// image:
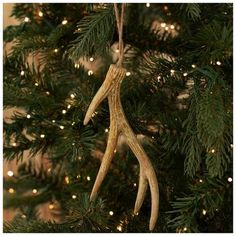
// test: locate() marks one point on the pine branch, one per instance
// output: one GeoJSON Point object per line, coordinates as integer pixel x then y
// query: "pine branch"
{"type": "Point", "coordinates": [95, 33]}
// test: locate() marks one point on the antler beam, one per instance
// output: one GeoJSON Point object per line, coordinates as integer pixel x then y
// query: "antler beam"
{"type": "Point", "coordinates": [119, 124]}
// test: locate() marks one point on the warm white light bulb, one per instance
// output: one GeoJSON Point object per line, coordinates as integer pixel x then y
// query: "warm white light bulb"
{"type": "Point", "coordinates": [69, 106]}
{"type": "Point", "coordinates": [200, 180]}
{"type": "Point", "coordinates": [42, 135]}
{"type": "Point", "coordinates": [40, 14]}
{"type": "Point", "coordinates": [55, 50]}
{"type": "Point", "coordinates": [117, 50]}
{"type": "Point", "coordinates": [111, 213]}
{"type": "Point", "coordinates": [22, 73]}
{"type": "Point", "coordinates": [34, 190]}
{"type": "Point", "coordinates": [90, 72]}
{"type": "Point", "coordinates": [230, 179]}
{"type": "Point", "coordinates": [53, 121]}
{"type": "Point", "coordinates": [27, 19]}
{"type": "Point", "coordinates": [193, 66]}
{"type": "Point", "coordinates": [10, 173]}
{"type": "Point", "coordinates": [172, 71]}
{"type": "Point", "coordinates": [185, 74]}
{"type": "Point", "coordinates": [36, 84]}
{"type": "Point", "coordinates": [148, 4]}
{"type": "Point", "coordinates": [62, 127]}
{"type": "Point", "coordinates": [91, 59]}
{"type": "Point", "coordinates": [88, 178]}
{"type": "Point", "coordinates": [74, 196]}
{"type": "Point", "coordinates": [11, 190]}
{"type": "Point", "coordinates": [172, 26]}
{"type": "Point", "coordinates": [72, 96]}
{"type": "Point", "coordinates": [218, 63]}
{"type": "Point", "coordinates": [204, 212]}
{"type": "Point", "coordinates": [106, 130]}
{"type": "Point", "coordinates": [119, 228]}
{"type": "Point", "coordinates": [213, 151]}
{"type": "Point", "coordinates": [63, 111]}
{"type": "Point", "coordinates": [51, 206]}
{"type": "Point", "coordinates": [127, 73]}
{"type": "Point", "coordinates": [28, 116]}
{"type": "Point", "coordinates": [135, 184]}
{"type": "Point", "coordinates": [14, 144]}
{"type": "Point", "coordinates": [48, 93]}
{"type": "Point", "coordinates": [64, 22]}
{"type": "Point", "coordinates": [166, 28]}
{"type": "Point", "coordinates": [163, 25]}
{"type": "Point", "coordinates": [185, 229]}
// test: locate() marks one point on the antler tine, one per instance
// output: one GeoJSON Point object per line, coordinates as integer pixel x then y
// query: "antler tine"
{"type": "Point", "coordinates": [106, 160]}
{"type": "Point", "coordinates": [103, 91]}
{"type": "Point", "coordinates": [142, 188]}
{"type": "Point", "coordinates": [148, 172]}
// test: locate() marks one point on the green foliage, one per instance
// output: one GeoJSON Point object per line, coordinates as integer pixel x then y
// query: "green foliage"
{"type": "Point", "coordinates": [193, 10]}
{"type": "Point", "coordinates": [181, 112]}
{"type": "Point", "coordinates": [95, 33]}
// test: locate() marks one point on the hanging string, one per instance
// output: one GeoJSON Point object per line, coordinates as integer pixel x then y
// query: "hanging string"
{"type": "Point", "coordinates": [120, 23]}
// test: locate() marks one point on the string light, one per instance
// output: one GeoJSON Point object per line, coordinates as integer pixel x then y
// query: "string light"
{"type": "Point", "coordinates": [119, 228]}
{"type": "Point", "coordinates": [42, 135]}
{"type": "Point", "coordinates": [55, 50]}
{"type": "Point", "coordinates": [148, 4]}
{"type": "Point", "coordinates": [135, 184]}
{"type": "Point", "coordinates": [200, 180]}
{"type": "Point", "coordinates": [40, 14]}
{"type": "Point", "coordinates": [212, 150]}
{"type": "Point", "coordinates": [48, 93]}
{"type": "Point", "coordinates": [172, 26]}
{"type": "Point", "coordinates": [204, 212]}
{"type": "Point", "coordinates": [163, 25]}
{"type": "Point", "coordinates": [91, 59]}
{"type": "Point", "coordinates": [36, 84]}
{"type": "Point", "coordinates": [79, 158]}
{"type": "Point", "coordinates": [166, 28]}
{"type": "Point", "coordinates": [27, 19]}
{"type": "Point", "coordinates": [165, 8]}
{"type": "Point", "coordinates": [193, 66]}
{"type": "Point", "coordinates": [51, 206]}
{"type": "Point", "coordinates": [73, 123]}
{"type": "Point", "coordinates": [64, 22]}
{"type": "Point", "coordinates": [49, 169]}
{"type": "Point", "coordinates": [14, 144]}
{"type": "Point", "coordinates": [78, 176]}
{"type": "Point", "coordinates": [67, 180]}
{"type": "Point", "coordinates": [76, 65]}
{"type": "Point", "coordinates": [72, 96]}
{"type": "Point", "coordinates": [218, 63]}
{"type": "Point", "coordinates": [90, 72]}
{"type": "Point", "coordinates": [106, 130]}
{"type": "Point", "coordinates": [23, 216]}
{"type": "Point", "coordinates": [231, 145]}
{"type": "Point", "coordinates": [117, 50]}
{"type": "Point", "coordinates": [34, 191]}
{"type": "Point", "coordinates": [73, 144]}
{"type": "Point", "coordinates": [10, 173]}
{"type": "Point", "coordinates": [185, 74]}
{"type": "Point", "coordinates": [22, 73]}
{"type": "Point", "coordinates": [53, 121]}
{"type": "Point", "coordinates": [230, 179]}
{"type": "Point", "coordinates": [69, 106]}
{"type": "Point", "coordinates": [28, 116]}
{"type": "Point", "coordinates": [88, 178]}
{"type": "Point", "coordinates": [172, 71]}
{"type": "Point", "coordinates": [11, 190]}
{"type": "Point", "coordinates": [185, 229]}
{"type": "Point", "coordinates": [111, 213]}
{"type": "Point", "coordinates": [63, 111]}
{"type": "Point", "coordinates": [74, 196]}
{"type": "Point", "coordinates": [128, 73]}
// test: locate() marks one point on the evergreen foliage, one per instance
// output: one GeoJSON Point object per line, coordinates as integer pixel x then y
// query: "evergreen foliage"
{"type": "Point", "coordinates": [177, 98]}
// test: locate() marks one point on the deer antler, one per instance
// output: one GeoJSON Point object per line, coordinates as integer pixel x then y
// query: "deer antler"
{"type": "Point", "coordinates": [119, 124]}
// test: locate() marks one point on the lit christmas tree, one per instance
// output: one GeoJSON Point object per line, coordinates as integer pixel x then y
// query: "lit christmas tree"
{"type": "Point", "coordinates": [122, 117]}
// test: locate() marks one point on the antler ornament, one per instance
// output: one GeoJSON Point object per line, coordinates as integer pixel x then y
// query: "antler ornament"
{"type": "Point", "coordinates": [119, 125]}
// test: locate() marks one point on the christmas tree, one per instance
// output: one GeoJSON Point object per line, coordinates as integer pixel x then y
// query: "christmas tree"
{"type": "Point", "coordinates": [170, 67]}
